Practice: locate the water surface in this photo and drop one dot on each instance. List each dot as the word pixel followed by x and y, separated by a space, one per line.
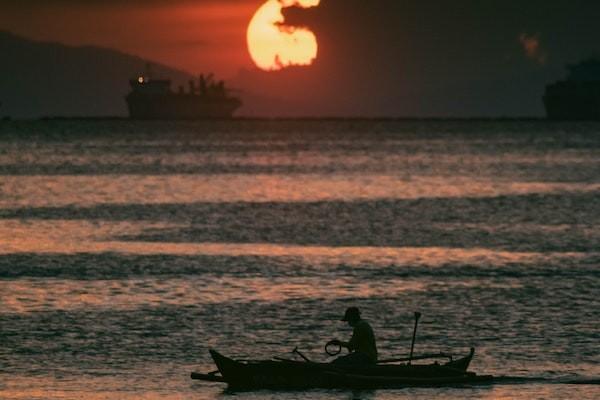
pixel 128 249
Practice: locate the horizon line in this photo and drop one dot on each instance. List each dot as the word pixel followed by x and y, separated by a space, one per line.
pixel 292 118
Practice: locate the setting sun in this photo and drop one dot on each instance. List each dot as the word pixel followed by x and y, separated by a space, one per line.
pixel 274 45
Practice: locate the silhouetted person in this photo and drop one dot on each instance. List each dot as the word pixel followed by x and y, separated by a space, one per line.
pixel 362 347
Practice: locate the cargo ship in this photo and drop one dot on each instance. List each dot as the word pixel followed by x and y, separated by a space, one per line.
pixel 154 99
pixel 578 96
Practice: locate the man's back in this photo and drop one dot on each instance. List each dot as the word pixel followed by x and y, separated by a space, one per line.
pixel 363 340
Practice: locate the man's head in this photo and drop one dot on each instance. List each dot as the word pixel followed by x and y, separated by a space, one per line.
pixel 352 316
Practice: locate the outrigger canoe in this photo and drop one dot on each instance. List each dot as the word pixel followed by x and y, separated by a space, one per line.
pixel 284 374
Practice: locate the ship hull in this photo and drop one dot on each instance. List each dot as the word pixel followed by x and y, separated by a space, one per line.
pixel 173 106
pixel 571 100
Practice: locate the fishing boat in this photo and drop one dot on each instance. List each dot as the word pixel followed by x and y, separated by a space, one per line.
pixel 287 374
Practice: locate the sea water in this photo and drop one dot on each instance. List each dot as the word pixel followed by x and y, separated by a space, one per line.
pixel 129 249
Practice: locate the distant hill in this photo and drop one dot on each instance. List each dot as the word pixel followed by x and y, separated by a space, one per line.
pixel 49 79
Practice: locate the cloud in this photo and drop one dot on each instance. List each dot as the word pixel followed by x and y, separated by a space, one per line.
pixel 532 47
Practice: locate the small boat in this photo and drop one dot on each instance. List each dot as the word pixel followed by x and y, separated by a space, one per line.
pixel 285 374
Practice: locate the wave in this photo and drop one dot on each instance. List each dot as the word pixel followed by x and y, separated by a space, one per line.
pixel 98 266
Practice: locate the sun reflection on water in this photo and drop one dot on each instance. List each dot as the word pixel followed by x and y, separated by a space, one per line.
pixel 43 191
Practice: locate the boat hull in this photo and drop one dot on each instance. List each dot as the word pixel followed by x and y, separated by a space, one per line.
pixel 571 100
pixel 295 375
pixel 173 106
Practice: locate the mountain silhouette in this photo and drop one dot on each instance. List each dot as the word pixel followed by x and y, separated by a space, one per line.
pixel 50 79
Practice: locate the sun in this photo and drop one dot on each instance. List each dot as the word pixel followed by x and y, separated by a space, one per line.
pixel 274 45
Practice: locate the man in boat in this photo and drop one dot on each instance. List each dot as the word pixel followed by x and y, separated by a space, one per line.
pixel 362 347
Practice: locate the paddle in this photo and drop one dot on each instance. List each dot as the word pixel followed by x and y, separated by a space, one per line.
pixel 421 357
pixel 412 345
pixel 296 351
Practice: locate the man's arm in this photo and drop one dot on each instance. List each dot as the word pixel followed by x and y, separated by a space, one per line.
pixel 336 342
pixel 351 345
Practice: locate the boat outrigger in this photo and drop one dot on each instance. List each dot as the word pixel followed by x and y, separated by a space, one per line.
pixel 286 374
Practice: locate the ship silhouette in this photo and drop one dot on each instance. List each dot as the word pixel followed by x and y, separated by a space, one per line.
pixel 578 96
pixel 154 99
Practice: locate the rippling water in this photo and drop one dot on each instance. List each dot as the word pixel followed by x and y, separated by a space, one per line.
pixel 129 249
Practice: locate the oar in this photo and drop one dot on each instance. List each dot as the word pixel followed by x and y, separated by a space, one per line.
pixel 412 345
pixel 421 357
pixel 300 354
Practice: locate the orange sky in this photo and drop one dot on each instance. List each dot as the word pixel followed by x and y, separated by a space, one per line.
pixel 199 36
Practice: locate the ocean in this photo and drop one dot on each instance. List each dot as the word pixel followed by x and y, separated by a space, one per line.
pixel 129 249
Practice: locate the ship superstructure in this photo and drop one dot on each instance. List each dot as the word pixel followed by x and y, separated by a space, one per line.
pixel 154 99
